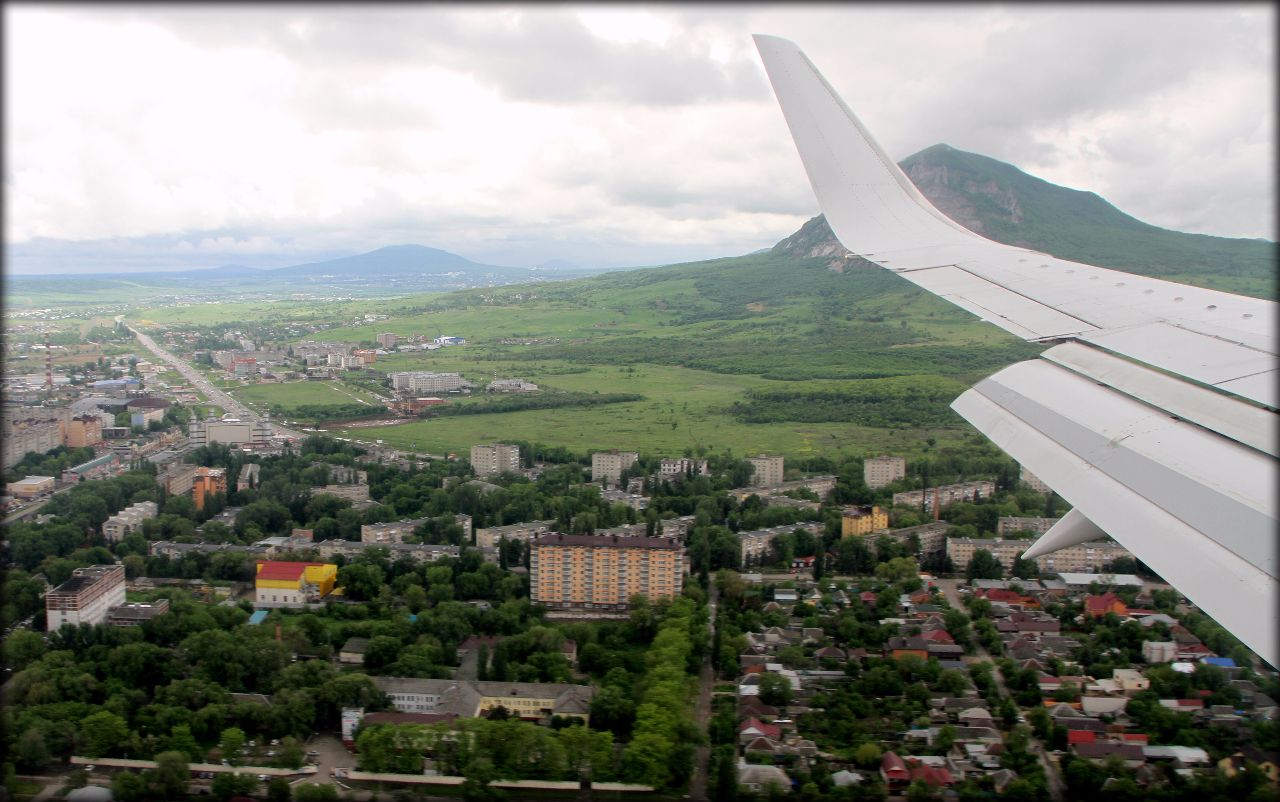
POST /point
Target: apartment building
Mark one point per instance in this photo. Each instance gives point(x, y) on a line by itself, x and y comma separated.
point(767, 470)
point(932, 536)
point(85, 597)
point(177, 479)
point(1012, 525)
point(37, 430)
point(880, 471)
point(388, 340)
point(1084, 557)
point(128, 520)
point(394, 532)
point(858, 521)
point(489, 537)
point(495, 458)
point(1032, 481)
point(84, 431)
point(674, 468)
point(945, 494)
point(756, 543)
point(609, 465)
point(590, 571)
point(206, 482)
point(425, 381)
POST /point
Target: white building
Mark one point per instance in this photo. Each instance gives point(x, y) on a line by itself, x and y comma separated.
point(495, 458)
point(767, 470)
point(232, 431)
point(609, 465)
point(128, 520)
point(425, 381)
point(85, 597)
point(880, 471)
point(672, 468)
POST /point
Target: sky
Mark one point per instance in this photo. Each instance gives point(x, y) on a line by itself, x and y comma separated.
point(169, 137)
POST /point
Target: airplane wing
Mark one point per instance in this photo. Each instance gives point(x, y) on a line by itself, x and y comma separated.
point(1154, 414)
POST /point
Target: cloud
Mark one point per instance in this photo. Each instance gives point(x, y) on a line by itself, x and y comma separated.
point(589, 133)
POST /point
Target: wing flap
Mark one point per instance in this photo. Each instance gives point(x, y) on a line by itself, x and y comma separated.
point(1229, 572)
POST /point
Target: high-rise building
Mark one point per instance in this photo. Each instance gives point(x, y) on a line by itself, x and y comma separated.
point(495, 458)
point(673, 468)
point(858, 521)
point(767, 470)
point(84, 430)
point(603, 572)
point(85, 597)
point(609, 465)
point(206, 482)
point(1032, 481)
point(424, 381)
point(880, 471)
point(388, 340)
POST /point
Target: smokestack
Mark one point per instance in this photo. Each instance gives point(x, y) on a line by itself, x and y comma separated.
point(48, 364)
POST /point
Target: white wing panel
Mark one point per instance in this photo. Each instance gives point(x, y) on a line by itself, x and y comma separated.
point(1205, 359)
point(1012, 312)
point(1232, 588)
point(1261, 387)
point(1230, 417)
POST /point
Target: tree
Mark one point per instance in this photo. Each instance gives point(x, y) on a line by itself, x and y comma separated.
point(171, 774)
point(102, 734)
point(983, 565)
point(775, 690)
point(231, 742)
point(867, 755)
point(279, 790)
point(315, 793)
point(31, 753)
point(128, 786)
point(227, 785)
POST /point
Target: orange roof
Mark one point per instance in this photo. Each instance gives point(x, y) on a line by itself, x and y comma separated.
point(274, 569)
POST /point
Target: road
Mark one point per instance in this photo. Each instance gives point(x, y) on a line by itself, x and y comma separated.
point(702, 707)
point(202, 383)
point(1054, 778)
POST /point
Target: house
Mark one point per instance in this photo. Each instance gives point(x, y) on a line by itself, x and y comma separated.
point(1130, 681)
point(352, 652)
point(976, 717)
point(758, 779)
point(897, 647)
point(753, 728)
point(1132, 754)
point(1109, 602)
point(1266, 762)
point(844, 778)
point(893, 770)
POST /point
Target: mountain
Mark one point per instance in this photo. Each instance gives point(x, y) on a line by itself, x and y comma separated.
point(390, 261)
point(1000, 202)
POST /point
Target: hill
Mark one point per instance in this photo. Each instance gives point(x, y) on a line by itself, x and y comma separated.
point(1000, 202)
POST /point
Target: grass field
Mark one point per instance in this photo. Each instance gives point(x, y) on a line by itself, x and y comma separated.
point(683, 409)
point(294, 394)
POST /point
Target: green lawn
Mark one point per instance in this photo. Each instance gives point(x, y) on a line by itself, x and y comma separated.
point(293, 394)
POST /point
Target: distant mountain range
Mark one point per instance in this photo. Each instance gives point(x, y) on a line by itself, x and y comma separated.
point(987, 196)
point(1002, 203)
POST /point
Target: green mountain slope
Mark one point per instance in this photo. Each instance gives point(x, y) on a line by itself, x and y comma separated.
point(1001, 202)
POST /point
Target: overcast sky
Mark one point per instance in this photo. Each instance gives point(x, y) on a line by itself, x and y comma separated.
point(156, 137)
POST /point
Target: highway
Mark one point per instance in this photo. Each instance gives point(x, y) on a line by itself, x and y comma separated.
point(201, 383)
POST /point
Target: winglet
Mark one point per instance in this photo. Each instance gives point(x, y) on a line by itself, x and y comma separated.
point(869, 202)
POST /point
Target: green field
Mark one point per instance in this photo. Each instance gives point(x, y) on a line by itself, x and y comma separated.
point(294, 394)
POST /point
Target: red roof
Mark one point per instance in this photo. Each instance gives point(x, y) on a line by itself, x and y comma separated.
point(771, 731)
point(274, 569)
point(867, 596)
point(1103, 603)
point(938, 635)
point(1000, 594)
point(892, 765)
point(931, 775)
point(1136, 737)
point(1081, 737)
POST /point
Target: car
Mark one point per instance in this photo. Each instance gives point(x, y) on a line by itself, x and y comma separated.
point(262, 778)
point(313, 753)
point(89, 767)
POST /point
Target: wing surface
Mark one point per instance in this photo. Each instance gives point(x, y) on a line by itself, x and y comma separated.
point(1154, 416)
